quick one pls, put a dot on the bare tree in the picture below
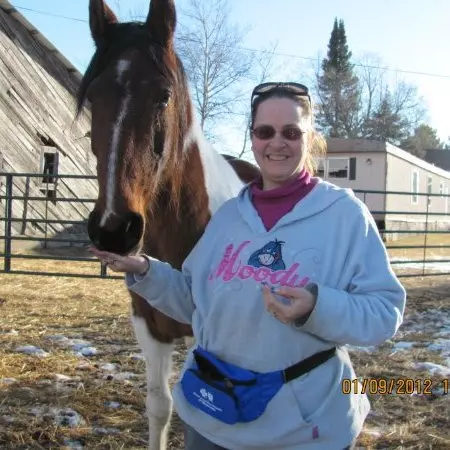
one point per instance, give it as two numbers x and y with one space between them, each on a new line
138 13
210 47
375 88
407 103
373 85
384 101
263 71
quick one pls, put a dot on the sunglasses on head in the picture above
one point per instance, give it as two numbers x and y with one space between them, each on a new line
266 132
272 87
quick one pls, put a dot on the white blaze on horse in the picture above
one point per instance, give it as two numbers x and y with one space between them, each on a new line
159 181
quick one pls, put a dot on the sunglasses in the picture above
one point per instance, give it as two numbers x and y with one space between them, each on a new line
266 132
265 89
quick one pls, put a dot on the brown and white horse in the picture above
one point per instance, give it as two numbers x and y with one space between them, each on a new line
159 181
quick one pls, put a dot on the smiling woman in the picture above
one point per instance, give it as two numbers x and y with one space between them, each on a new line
285 276
284 141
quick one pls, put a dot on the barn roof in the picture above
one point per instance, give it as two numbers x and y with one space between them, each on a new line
13 12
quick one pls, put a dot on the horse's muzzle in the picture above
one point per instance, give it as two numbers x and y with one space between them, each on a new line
119 234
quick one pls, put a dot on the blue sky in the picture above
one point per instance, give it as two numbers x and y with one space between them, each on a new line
407 35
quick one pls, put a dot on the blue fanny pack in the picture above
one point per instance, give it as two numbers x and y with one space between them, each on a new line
232 394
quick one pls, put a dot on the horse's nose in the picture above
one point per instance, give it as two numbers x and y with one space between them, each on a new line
119 234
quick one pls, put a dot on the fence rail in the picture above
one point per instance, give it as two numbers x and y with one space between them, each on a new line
16 195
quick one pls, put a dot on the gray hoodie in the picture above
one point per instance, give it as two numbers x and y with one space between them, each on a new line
329 241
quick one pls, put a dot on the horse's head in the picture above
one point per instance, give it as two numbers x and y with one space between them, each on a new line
139 103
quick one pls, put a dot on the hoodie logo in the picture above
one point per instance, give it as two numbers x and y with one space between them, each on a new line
269 256
265 264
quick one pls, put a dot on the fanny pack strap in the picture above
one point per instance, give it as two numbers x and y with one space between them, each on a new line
307 364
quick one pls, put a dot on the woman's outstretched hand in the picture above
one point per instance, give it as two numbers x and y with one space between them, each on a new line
118 263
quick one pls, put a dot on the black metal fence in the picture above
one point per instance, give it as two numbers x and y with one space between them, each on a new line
42 247
431 223
26 251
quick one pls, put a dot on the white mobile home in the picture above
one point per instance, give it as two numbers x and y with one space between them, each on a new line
379 166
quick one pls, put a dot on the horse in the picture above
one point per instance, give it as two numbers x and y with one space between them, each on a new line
159 181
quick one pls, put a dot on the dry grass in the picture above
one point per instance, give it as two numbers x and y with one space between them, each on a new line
418 254
409 422
97 311
441 239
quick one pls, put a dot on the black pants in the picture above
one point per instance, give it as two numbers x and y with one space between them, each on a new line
195 441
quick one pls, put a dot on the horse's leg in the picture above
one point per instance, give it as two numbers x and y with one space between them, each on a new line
158 360
189 341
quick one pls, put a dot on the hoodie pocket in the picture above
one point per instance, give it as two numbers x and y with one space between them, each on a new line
318 389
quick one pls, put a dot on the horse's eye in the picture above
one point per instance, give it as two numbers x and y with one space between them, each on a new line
165 97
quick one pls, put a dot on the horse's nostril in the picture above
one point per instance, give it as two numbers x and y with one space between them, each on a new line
134 227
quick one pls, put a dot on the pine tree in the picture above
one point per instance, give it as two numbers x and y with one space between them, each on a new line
385 124
338 88
424 137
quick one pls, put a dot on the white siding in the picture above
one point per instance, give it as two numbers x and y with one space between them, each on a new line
370 174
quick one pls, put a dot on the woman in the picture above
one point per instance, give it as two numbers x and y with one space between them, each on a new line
285 276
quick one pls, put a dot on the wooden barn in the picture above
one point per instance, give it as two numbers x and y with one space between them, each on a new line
38 131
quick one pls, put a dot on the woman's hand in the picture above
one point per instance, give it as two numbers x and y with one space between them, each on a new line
117 263
298 302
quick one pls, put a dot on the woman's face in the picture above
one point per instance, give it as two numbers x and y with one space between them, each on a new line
281 156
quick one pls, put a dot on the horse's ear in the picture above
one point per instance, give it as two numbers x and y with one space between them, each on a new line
161 21
100 16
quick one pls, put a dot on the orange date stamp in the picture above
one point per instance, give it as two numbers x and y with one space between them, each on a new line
399 386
